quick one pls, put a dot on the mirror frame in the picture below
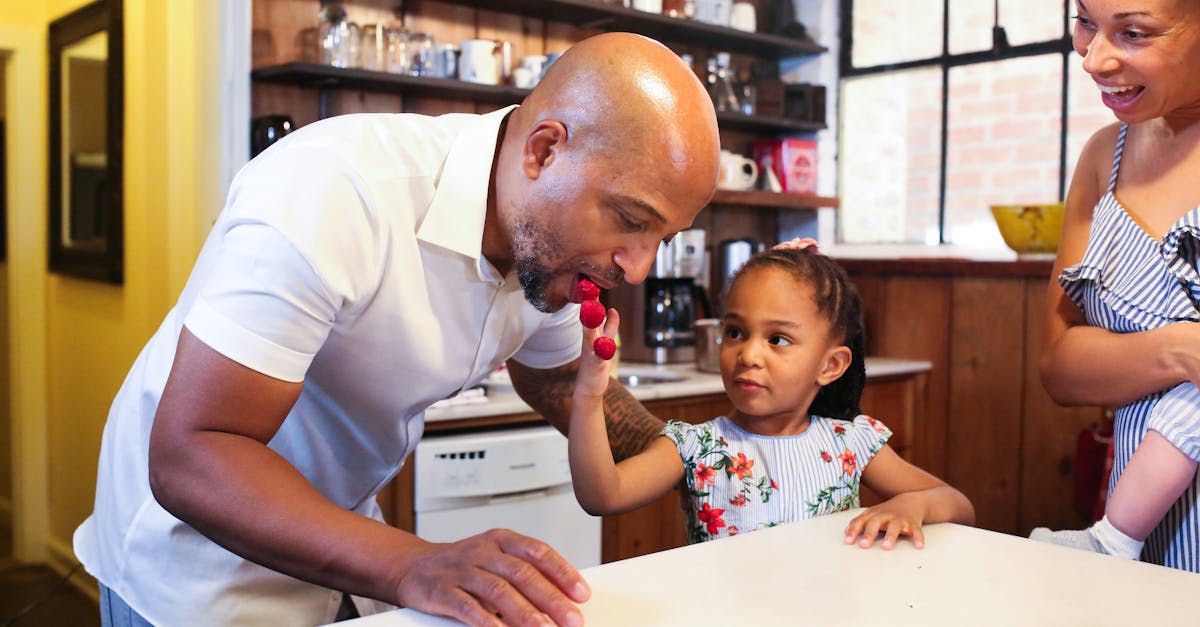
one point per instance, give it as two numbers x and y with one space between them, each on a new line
106 264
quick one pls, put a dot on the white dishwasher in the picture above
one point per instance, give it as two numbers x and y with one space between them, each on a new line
515 479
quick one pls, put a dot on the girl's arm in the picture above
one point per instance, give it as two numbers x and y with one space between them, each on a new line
601 485
912 497
1085 365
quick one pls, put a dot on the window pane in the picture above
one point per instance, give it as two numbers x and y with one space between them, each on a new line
1024 22
886 31
1085 113
971 25
1003 146
1032 21
891 142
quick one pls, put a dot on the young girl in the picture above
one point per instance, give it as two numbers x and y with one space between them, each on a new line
795 447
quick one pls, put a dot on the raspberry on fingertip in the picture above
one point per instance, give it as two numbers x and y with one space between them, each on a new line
604 347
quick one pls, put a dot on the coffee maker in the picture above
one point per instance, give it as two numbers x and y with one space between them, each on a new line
658 317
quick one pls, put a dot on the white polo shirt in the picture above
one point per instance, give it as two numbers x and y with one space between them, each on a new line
348 257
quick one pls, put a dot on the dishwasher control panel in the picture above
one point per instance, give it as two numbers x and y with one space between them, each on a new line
491 463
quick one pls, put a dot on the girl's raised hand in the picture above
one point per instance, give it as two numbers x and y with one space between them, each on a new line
898 516
595 372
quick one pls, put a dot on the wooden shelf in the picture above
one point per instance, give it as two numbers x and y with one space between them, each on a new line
319 76
755 198
614 17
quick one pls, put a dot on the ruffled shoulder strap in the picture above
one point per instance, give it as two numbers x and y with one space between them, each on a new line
1116 167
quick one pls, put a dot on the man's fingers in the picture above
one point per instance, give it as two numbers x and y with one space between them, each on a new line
540 577
549 563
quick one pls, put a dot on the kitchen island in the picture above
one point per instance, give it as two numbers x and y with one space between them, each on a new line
895 393
803 573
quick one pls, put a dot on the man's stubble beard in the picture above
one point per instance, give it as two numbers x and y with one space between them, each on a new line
533 243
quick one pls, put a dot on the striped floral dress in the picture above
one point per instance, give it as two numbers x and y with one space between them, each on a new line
740 482
1129 282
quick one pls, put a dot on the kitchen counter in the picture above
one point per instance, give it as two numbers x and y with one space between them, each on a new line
942 260
803 573
687 382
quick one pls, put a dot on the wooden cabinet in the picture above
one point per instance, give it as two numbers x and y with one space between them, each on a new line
896 400
989 429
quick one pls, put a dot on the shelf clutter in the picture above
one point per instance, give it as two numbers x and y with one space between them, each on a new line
385 58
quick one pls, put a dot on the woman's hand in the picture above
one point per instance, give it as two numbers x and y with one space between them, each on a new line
899 516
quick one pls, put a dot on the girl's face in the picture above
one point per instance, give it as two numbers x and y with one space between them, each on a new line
776 352
1143 54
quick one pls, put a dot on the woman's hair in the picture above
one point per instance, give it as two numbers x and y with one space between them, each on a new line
837 300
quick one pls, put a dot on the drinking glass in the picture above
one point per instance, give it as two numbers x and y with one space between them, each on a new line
418 48
377 48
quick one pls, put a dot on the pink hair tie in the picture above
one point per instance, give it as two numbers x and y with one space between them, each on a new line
799 243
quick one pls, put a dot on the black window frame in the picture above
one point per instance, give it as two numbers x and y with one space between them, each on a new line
946 61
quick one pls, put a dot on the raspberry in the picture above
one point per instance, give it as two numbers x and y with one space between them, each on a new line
584 291
592 313
605 347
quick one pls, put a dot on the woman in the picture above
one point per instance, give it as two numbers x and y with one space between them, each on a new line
1119 326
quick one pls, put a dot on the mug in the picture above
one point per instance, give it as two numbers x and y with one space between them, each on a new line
742 16
737 172
485 61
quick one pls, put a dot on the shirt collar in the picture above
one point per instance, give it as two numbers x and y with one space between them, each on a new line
456 214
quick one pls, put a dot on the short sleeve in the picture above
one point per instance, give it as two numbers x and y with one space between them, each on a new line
869 437
686 437
296 250
262 305
557 341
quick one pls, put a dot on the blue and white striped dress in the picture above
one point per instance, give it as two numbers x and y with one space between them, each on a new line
740 482
1129 282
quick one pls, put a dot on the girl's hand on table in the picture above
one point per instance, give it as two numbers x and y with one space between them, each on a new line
899 516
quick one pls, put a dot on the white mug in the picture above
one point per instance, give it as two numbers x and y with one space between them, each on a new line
737 172
742 17
479 61
534 63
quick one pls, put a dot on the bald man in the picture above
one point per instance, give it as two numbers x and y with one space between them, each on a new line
365 267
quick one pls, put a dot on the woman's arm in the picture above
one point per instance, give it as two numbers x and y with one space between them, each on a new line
1085 365
601 485
912 497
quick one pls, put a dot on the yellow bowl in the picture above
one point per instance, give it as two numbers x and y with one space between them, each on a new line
1030 228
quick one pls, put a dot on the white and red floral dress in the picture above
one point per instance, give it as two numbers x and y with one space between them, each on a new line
739 482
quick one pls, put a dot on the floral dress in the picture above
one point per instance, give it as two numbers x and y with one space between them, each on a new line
1127 282
739 482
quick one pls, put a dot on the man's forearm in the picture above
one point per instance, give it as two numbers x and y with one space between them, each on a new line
630 425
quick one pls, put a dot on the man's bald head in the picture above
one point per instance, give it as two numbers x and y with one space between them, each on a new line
614 151
621 91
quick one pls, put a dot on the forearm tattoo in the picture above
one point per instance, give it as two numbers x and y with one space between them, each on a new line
630 425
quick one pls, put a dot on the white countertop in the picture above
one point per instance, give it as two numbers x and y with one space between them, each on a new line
692 382
803 573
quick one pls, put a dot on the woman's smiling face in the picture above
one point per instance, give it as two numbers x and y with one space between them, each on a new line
1143 54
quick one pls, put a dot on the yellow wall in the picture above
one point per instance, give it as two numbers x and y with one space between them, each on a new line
5 412
93 331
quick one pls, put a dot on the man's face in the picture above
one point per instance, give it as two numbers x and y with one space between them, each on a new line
597 220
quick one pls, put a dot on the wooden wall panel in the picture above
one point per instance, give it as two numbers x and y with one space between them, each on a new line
915 325
1050 431
987 361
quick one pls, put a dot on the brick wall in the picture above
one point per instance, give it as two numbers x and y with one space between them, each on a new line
1003 125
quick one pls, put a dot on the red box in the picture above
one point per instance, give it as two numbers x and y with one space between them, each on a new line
794 162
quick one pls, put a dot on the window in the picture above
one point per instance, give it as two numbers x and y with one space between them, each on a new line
950 107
